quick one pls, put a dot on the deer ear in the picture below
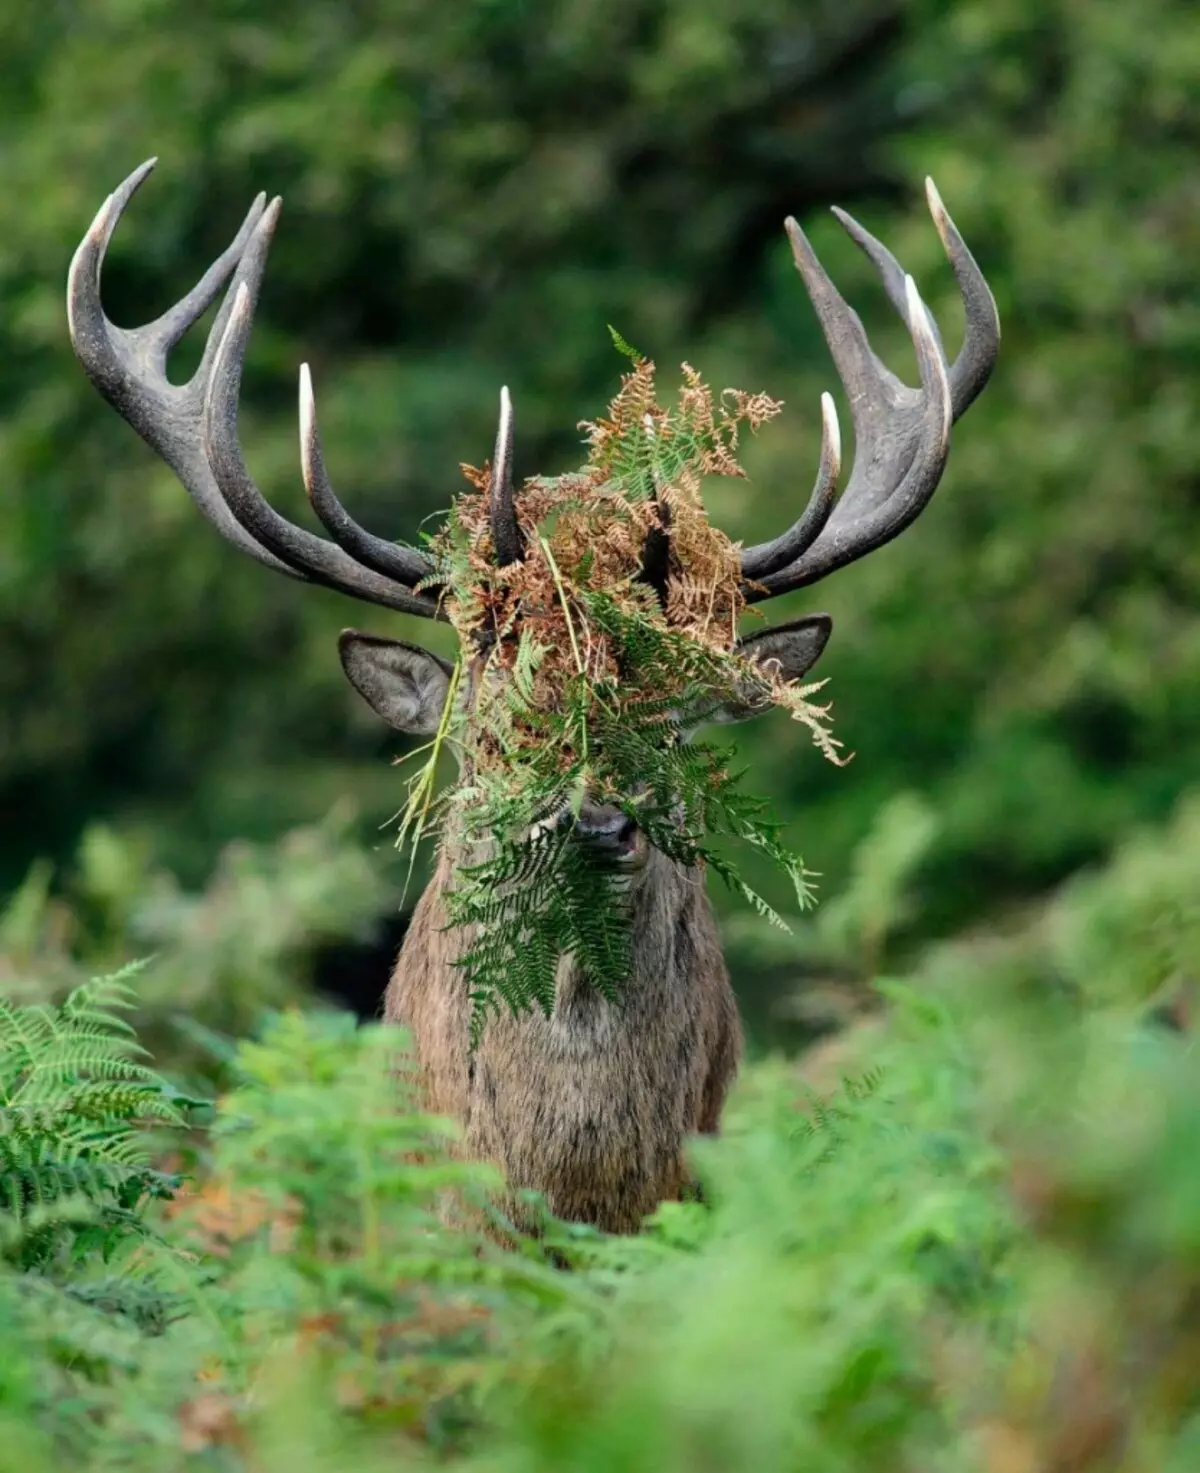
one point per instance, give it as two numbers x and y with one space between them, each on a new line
793 649
403 683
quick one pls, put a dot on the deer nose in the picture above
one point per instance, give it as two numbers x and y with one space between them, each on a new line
615 829
606 829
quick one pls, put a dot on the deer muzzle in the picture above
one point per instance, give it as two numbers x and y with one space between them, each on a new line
610 835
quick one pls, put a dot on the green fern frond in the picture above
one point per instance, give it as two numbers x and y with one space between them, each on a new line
76 1102
585 686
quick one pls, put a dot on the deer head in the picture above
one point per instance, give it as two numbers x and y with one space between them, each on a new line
901 434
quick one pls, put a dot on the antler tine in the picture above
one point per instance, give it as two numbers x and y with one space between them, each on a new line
770 557
976 358
507 540
901 440
919 438
321 560
656 547
656 554
127 365
981 346
404 564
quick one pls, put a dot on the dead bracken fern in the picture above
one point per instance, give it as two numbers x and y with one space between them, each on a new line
579 674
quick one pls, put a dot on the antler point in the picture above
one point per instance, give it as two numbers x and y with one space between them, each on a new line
308 415
832 431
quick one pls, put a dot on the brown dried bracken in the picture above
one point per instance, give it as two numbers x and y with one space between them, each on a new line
643 475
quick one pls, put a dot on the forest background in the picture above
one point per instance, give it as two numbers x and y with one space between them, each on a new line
471 193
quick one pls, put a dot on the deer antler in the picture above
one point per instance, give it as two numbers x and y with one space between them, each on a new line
193 426
507 538
901 434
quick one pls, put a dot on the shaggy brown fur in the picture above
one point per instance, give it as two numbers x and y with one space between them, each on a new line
592 1106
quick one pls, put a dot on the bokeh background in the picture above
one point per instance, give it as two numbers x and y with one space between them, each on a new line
471 193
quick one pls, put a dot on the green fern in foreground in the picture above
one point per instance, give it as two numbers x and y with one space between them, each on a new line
982 1244
76 1101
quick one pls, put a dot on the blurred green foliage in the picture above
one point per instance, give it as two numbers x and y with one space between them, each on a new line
224 956
471 194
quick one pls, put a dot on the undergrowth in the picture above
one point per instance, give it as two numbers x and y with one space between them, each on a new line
978 1253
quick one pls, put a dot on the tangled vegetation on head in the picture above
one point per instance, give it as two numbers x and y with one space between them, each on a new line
592 658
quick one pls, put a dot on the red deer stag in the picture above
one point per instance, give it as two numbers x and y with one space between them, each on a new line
592 1105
